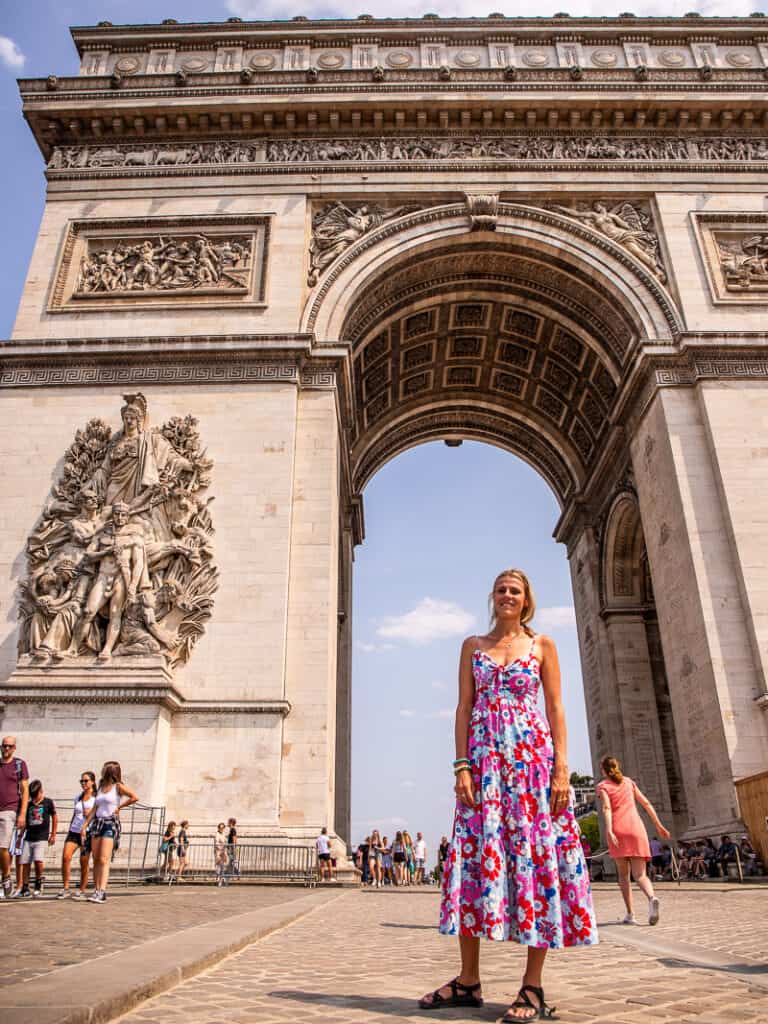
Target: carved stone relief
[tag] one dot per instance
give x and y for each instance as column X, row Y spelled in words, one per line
column 161, row 261
column 337, row 226
column 629, row 224
column 396, row 149
column 734, row 249
column 121, row 561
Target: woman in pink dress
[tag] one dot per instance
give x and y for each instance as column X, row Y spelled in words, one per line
column 627, row 838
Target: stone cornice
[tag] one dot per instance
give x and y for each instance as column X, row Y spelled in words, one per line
column 204, row 359
column 237, row 32
column 164, row 696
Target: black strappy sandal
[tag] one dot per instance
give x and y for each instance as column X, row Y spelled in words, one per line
column 540, row 1012
column 439, row 1002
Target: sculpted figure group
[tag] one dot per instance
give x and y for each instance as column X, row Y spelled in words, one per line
column 395, row 148
column 178, row 263
column 336, row 227
column 121, row 560
column 744, row 262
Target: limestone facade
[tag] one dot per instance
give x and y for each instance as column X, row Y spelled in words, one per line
column 330, row 241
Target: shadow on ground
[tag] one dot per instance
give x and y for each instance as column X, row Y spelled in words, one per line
column 393, row 1005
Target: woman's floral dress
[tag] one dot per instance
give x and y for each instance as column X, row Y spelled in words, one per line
column 513, row 872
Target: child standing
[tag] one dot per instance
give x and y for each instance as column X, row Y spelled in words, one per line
column 42, row 822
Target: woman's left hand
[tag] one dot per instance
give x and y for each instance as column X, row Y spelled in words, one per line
column 559, row 791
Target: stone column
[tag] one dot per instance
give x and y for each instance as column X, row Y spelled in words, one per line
column 713, row 679
column 643, row 755
column 307, row 782
column 606, row 728
column 343, row 813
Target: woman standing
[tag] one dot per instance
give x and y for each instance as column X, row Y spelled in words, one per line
column 627, row 838
column 375, row 856
column 399, row 858
column 410, row 860
column 83, row 803
column 182, row 845
column 515, row 869
column 103, row 822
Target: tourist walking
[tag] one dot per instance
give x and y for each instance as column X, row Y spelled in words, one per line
column 420, row 858
column 220, row 852
column 362, row 860
column 515, row 869
column 102, row 824
column 182, row 845
column 14, row 797
column 324, row 862
column 233, row 868
column 410, row 859
column 74, row 840
column 41, row 826
column 168, row 849
column 627, row 839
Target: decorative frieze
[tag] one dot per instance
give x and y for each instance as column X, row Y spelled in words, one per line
column 734, row 249
column 162, row 261
column 590, row 150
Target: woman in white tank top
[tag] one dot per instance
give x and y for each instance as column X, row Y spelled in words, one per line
column 102, row 824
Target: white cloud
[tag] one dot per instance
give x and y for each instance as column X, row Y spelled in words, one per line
column 430, row 620
column 10, row 54
column 375, row 648
column 443, row 713
column 407, row 713
column 258, row 10
column 562, row 616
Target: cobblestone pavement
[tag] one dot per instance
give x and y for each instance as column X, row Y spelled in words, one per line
column 48, row 934
column 365, row 957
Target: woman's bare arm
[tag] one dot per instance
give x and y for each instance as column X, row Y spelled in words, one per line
column 130, row 796
column 553, row 703
column 464, row 788
column 608, row 816
column 644, row 802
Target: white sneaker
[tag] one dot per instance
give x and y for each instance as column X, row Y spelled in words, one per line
column 64, row 895
column 7, row 888
column 629, row 919
column 653, row 910
column 98, row 897
column 79, row 895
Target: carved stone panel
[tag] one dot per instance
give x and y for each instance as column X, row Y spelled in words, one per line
column 161, row 262
column 120, row 563
column 734, row 250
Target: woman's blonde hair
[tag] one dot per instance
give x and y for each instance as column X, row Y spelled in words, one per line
column 529, row 608
column 612, row 768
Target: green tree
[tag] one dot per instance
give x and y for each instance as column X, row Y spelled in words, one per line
column 591, row 829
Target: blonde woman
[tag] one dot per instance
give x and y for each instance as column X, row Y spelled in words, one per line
column 515, row 870
column 627, row 838
column 375, row 859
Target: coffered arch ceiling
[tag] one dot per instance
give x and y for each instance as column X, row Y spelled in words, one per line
column 485, row 336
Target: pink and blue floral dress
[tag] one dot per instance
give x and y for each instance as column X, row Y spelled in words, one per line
column 513, row 872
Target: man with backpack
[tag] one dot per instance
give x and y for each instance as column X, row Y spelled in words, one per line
column 14, row 798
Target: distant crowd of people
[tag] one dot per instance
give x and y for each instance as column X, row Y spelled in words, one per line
column 403, row 861
column 700, row 858
column 29, row 823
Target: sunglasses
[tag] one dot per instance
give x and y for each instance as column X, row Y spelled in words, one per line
column 8, row 746
column 84, row 782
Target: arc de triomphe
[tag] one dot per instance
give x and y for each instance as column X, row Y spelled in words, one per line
column 288, row 251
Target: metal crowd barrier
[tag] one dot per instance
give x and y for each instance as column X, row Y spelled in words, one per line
column 244, row 862
column 135, row 860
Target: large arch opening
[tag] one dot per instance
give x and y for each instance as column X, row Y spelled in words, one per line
column 522, row 337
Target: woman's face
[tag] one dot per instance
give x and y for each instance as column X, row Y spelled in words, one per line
column 131, row 421
column 509, row 597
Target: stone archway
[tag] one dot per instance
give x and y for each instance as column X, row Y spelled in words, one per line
column 523, row 337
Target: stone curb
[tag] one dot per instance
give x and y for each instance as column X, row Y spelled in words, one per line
column 102, row 989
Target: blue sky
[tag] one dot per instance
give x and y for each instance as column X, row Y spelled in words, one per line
column 440, row 522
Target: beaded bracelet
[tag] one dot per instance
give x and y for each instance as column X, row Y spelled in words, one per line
column 460, row 760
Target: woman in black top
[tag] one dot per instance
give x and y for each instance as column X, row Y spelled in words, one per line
column 182, row 842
